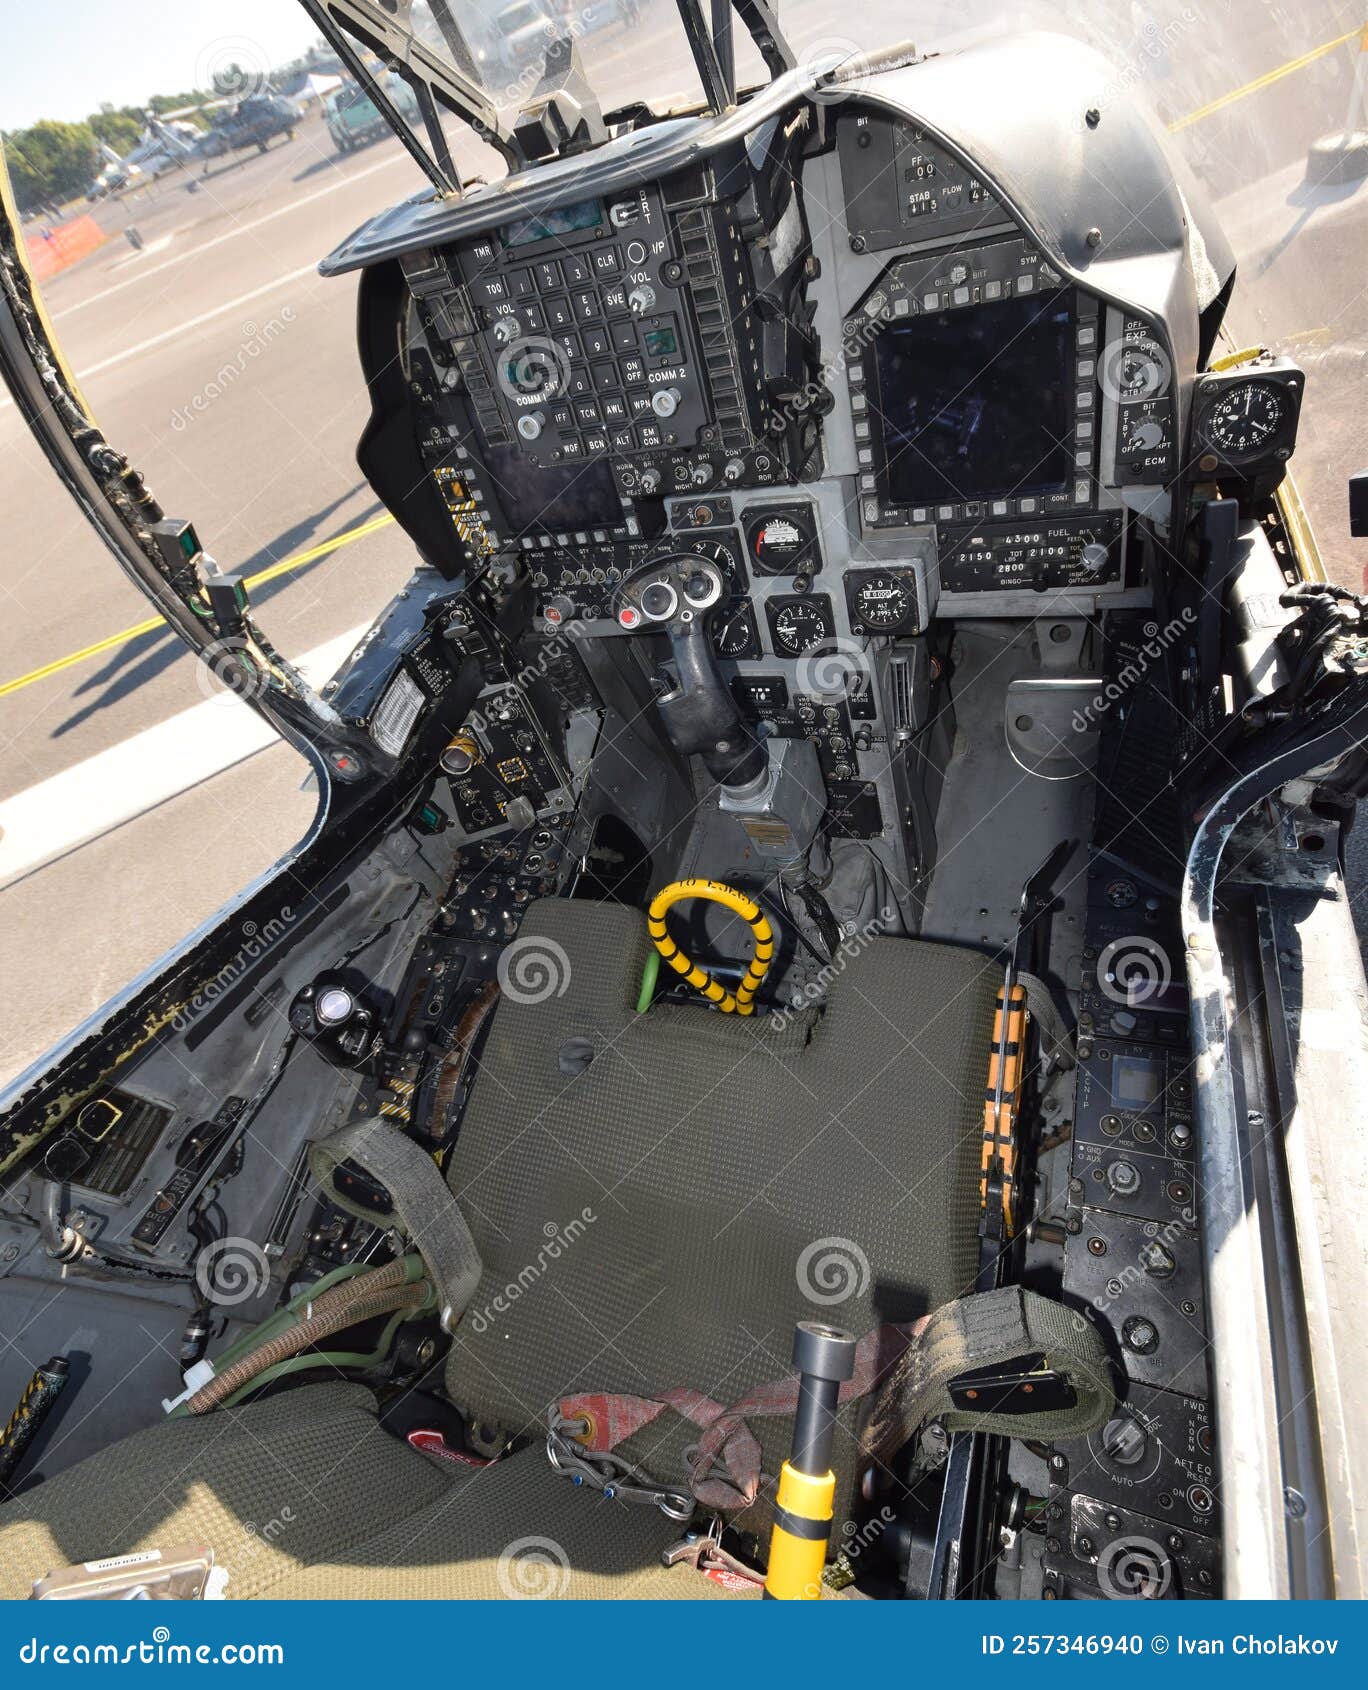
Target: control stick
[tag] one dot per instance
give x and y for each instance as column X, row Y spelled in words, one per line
column 700, row 714
column 825, row 1359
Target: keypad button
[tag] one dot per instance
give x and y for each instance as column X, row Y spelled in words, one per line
column 533, row 318
column 596, row 344
column 606, row 260
column 640, row 404
column 648, row 433
column 587, row 411
column 558, row 314
column 595, row 442
column 548, row 274
column 586, row 305
column 578, row 385
column 614, row 408
column 633, row 372
column 576, row 271
column 625, row 336
column 605, row 377
column 622, row 440
column 572, row 448
column 615, row 300
column 563, row 417
column 492, row 289
column 522, row 284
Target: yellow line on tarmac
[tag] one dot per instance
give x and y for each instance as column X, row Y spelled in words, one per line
column 1266, row 80
column 154, row 622
column 359, row 533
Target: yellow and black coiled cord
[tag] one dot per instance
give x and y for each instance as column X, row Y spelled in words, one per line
column 743, row 1001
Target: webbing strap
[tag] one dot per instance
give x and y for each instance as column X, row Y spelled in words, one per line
column 421, row 1205
column 911, row 1368
column 974, row 1335
column 725, row 1466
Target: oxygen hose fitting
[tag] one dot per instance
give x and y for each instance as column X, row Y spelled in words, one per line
column 825, row 1359
column 743, row 1003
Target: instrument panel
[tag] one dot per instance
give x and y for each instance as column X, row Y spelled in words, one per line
column 597, row 362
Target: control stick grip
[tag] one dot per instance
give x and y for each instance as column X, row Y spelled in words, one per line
column 701, row 717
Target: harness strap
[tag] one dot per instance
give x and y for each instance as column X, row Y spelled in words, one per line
column 727, row 1442
column 421, row 1206
column 1007, row 1361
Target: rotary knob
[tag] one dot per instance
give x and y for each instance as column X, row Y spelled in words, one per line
column 650, row 480
column 461, row 755
column 1124, row 1440
column 1123, row 1179
column 641, row 299
column 530, row 425
column 665, row 401
column 1094, row 557
column 505, row 330
column 560, row 607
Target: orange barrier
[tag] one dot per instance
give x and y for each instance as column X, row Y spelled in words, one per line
column 53, row 249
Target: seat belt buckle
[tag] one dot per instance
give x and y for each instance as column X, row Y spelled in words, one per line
column 1024, row 1386
column 183, row 1573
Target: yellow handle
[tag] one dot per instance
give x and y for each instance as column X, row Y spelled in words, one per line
column 743, row 1003
column 796, row 1562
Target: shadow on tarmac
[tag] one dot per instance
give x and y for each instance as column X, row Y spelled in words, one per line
column 141, row 660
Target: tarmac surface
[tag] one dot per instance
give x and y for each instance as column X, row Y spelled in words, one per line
column 225, row 366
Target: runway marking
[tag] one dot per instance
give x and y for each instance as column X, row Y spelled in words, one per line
column 227, row 235
column 142, row 252
column 86, row 801
column 271, row 573
column 127, row 352
column 1264, row 81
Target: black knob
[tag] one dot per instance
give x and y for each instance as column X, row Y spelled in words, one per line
column 823, row 1352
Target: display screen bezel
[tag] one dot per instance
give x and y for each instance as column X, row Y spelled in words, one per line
column 1015, row 381
column 536, row 499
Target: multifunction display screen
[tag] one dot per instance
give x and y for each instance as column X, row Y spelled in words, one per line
column 977, row 403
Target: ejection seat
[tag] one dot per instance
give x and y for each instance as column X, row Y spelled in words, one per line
column 657, row 1198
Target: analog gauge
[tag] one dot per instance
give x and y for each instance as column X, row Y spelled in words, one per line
column 799, row 625
column 782, row 540
column 1245, row 419
column 881, row 601
column 734, row 632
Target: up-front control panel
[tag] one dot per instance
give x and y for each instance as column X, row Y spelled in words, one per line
column 580, row 319
column 608, row 351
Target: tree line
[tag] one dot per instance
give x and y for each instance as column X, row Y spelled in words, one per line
column 53, row 161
